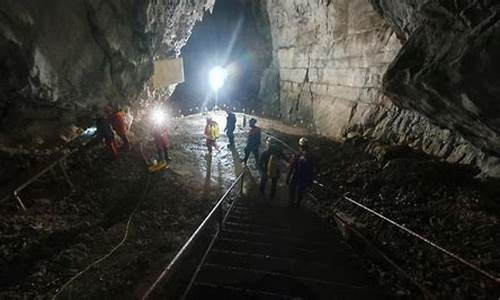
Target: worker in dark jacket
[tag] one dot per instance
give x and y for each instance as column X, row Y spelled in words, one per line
column 105, row 133
column 230, row 126
column 270, row 166
column 301, row 173
column 253, row 141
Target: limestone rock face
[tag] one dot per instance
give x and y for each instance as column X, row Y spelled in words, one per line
column 331, row 57
column 385, row 70
column 59, row 57
column 448, row 68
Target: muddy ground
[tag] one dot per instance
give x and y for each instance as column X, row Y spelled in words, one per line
column 65, row 230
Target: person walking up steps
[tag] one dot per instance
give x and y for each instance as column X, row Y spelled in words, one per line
column 253, row 142
column 301, row 173
column 270, row 166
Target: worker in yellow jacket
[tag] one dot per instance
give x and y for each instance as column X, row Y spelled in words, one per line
column 211, row 134
column 271, row 164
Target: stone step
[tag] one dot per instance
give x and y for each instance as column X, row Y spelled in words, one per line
column 204, row 290
column 315, row 233
column 284, row 285
column 340, row 270
column 273, row 249
column 276, row 238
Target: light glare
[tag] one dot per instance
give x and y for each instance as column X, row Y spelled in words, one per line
column 158, row 116
column 217, row 76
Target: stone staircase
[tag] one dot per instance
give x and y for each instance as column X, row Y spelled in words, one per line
column 271, row 251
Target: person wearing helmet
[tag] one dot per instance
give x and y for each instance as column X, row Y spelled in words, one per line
column 211, row 134
column 301, row 173
column 270, row 166
column 253, row 141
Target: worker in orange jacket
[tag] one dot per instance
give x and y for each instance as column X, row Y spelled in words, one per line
column 119, row 124
column 160, row 137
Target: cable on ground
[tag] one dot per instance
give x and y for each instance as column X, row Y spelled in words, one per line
column 113, row 250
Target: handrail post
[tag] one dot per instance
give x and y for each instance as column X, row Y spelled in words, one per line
column 242, row 182
column 16, row 196
column 220, row 222
column 66, row 176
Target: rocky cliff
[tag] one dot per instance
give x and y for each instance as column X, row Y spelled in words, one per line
column 388, row 70
column 59, row 58
column 448, row 67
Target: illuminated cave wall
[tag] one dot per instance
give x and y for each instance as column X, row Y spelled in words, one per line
column 396, row 71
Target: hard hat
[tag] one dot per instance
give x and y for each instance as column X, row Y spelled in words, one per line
column 303, row 141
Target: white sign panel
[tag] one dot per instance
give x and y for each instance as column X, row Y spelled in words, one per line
column 167, row 72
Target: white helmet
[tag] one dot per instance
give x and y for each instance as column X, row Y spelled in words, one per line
column 303, row 141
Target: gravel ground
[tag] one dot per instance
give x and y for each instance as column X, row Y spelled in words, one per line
column 65, row 230
column 444, row 203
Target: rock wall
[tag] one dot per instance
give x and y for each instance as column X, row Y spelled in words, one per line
column 329, row 63
column 59, row 57
column 331, row 57
column 448, row 67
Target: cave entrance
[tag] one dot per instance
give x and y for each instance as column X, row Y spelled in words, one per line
column 237, row 37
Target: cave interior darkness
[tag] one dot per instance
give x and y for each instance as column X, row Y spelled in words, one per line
column 234, row 36
column 107, row 168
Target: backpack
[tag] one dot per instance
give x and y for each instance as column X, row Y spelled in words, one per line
column 272, row 166
column 215, row 130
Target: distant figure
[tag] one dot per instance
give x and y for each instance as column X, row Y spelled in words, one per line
column 253, row 141
column 105, row 133
column 270, row 166
column 160, row 137
column 230, row 126
column 211, row 134
column 119, row 123
column 301, row 173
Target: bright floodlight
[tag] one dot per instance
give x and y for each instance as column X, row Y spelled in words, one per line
column 158, row 116
column 217, row 76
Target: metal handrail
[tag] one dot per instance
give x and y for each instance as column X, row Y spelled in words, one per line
column 427, row 241
column 170, row 268
column 58, row 161
column 401, row 227
column 25, row 184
